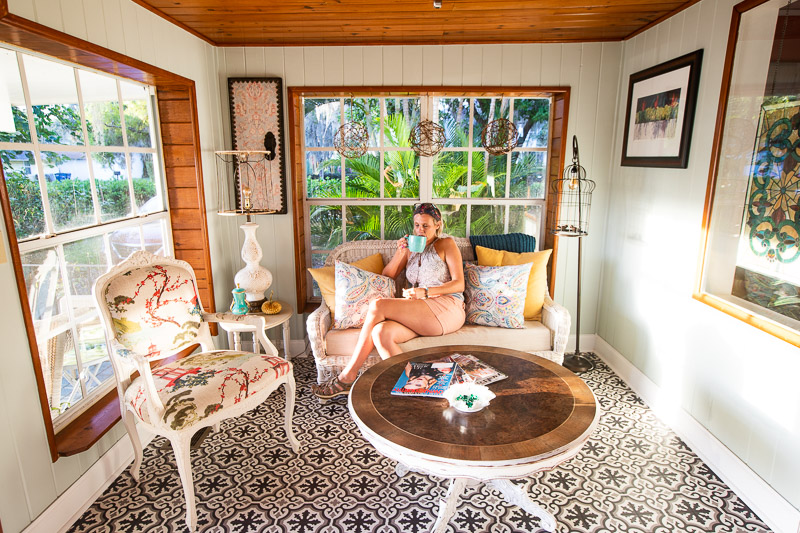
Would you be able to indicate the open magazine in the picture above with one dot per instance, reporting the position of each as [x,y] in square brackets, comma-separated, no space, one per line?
[473,370]
[425,379]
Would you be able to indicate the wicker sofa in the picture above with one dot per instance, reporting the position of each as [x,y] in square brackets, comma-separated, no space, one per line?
[332,348]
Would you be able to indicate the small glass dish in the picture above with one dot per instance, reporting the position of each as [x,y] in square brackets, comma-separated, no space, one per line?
[468,397]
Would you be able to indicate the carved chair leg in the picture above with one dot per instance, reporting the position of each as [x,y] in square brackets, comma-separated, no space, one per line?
[289,387]
[180,445]
[128,421]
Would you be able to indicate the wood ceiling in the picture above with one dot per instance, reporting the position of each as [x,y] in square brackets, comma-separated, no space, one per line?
[369,22]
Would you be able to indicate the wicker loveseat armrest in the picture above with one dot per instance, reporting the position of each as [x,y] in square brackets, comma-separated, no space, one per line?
[556,318]
[318,325]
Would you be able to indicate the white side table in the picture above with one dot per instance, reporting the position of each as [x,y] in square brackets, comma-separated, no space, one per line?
[282,318]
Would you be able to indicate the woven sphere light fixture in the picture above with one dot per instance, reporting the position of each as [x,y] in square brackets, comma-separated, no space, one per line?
[351,140]
[499,136]
[427,138]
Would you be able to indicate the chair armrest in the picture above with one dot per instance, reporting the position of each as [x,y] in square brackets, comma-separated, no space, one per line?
[556,318]
[317,325]
[256,321]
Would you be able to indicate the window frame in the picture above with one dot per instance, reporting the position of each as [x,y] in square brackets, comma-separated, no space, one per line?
[555,151]
[182,160]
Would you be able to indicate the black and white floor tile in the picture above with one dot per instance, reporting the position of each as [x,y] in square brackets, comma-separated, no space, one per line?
[634,475]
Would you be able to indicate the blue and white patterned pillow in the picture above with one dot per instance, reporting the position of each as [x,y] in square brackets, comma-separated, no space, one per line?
[496,295]
[355,289]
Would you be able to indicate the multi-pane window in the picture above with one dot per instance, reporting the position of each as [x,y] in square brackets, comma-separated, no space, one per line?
[372,197]
[82,172]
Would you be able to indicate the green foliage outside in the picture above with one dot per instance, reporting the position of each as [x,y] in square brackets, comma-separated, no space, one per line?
[401,173]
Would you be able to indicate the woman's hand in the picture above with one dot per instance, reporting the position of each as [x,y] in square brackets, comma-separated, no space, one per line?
[402,243]
[414,293]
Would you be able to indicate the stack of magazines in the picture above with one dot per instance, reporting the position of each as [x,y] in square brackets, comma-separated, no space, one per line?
[434,377]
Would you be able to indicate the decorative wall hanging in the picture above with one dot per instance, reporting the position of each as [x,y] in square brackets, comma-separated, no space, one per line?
[499,136]
[660,113]
[427,138]
[256,106]
[751,262]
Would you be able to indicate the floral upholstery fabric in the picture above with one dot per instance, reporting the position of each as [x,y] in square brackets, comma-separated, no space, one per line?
[199,385]
[495,296]
[355,289]
[154,310]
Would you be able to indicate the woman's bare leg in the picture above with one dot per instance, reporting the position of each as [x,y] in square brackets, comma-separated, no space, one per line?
[415,315]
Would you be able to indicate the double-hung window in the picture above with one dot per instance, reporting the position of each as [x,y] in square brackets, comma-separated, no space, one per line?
[82,167]
[372,196]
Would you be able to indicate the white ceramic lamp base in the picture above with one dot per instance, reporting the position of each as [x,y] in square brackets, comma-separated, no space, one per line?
[253,278]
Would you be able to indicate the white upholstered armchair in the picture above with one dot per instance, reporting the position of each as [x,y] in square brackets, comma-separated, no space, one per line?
[150,310]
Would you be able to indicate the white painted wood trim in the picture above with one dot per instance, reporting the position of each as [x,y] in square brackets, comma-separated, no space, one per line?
[72,503]
[771,507]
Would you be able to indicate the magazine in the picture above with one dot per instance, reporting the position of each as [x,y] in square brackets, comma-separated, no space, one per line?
[472,370]
[425,379]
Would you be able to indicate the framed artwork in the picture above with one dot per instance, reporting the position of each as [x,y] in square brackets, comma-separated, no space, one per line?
[257,124]
[751,260]
[660,113]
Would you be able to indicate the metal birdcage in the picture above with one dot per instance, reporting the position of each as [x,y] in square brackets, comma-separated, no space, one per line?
[569,217]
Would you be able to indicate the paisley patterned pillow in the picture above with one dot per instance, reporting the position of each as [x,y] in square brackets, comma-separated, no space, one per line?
[355,289]
[496,295]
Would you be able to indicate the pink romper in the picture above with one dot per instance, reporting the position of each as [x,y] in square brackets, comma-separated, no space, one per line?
[427,269]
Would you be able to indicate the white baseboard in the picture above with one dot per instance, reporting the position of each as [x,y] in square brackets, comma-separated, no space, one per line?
[72,503]
[771,507]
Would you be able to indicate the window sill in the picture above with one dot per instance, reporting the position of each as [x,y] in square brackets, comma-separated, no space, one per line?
[90,426]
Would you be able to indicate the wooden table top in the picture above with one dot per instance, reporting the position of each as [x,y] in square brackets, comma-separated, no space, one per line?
[541,409]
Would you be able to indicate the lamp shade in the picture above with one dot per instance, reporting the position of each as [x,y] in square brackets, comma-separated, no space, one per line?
[241,183]
[571,199]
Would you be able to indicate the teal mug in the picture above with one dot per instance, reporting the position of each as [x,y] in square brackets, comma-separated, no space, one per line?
[239,304]
[416,243]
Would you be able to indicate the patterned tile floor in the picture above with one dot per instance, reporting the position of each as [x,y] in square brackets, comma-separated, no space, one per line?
[634,475]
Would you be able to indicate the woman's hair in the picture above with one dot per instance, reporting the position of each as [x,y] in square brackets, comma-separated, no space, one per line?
[428,208]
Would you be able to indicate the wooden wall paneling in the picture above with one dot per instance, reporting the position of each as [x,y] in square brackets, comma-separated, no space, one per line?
[392,65]
[373,65]
[492,64]
[412,65]
[294,110]
[333,65]
[354,66]
[511,72]
[452,65]
[531,69]
[556,165]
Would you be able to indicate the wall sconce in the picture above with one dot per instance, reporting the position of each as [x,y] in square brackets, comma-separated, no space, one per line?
[238,190]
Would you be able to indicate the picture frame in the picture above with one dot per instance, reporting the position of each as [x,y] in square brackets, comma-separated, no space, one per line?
[660,113]
[256,111]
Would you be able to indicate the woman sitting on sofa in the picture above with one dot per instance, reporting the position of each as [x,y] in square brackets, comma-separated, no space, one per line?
[434,305]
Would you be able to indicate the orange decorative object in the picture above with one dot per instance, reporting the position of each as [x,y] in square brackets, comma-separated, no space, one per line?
[271,307]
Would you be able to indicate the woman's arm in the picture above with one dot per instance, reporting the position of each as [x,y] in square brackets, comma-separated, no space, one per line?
[452,257]
[399,260]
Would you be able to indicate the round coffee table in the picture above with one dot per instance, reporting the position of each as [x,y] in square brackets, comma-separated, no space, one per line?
[541,417]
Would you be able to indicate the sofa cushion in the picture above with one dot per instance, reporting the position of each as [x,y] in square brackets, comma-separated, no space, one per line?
[355,289]
[325,277]
[537,282]
[531,337]
[512,242]
[495,296]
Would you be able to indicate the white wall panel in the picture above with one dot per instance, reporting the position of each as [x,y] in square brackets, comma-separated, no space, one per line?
[412,65]
[254,66]
[273,62]
[373,65]
[314,63]
[48,12]
[22,8]
[353,65]
[511,73]
[130,17]
[432,71]
[115,30]
[295,71]
[472,64]
[96,22]
[551,65]
[148,47]
[492,68]
[452,65]
[72,15]
[333,65]
[531,65]
[392,65]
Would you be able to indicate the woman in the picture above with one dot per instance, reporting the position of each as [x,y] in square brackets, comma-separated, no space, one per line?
[434,305]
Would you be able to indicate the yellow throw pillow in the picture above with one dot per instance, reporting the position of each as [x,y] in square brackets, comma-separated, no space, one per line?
[537,283]
[326,277]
